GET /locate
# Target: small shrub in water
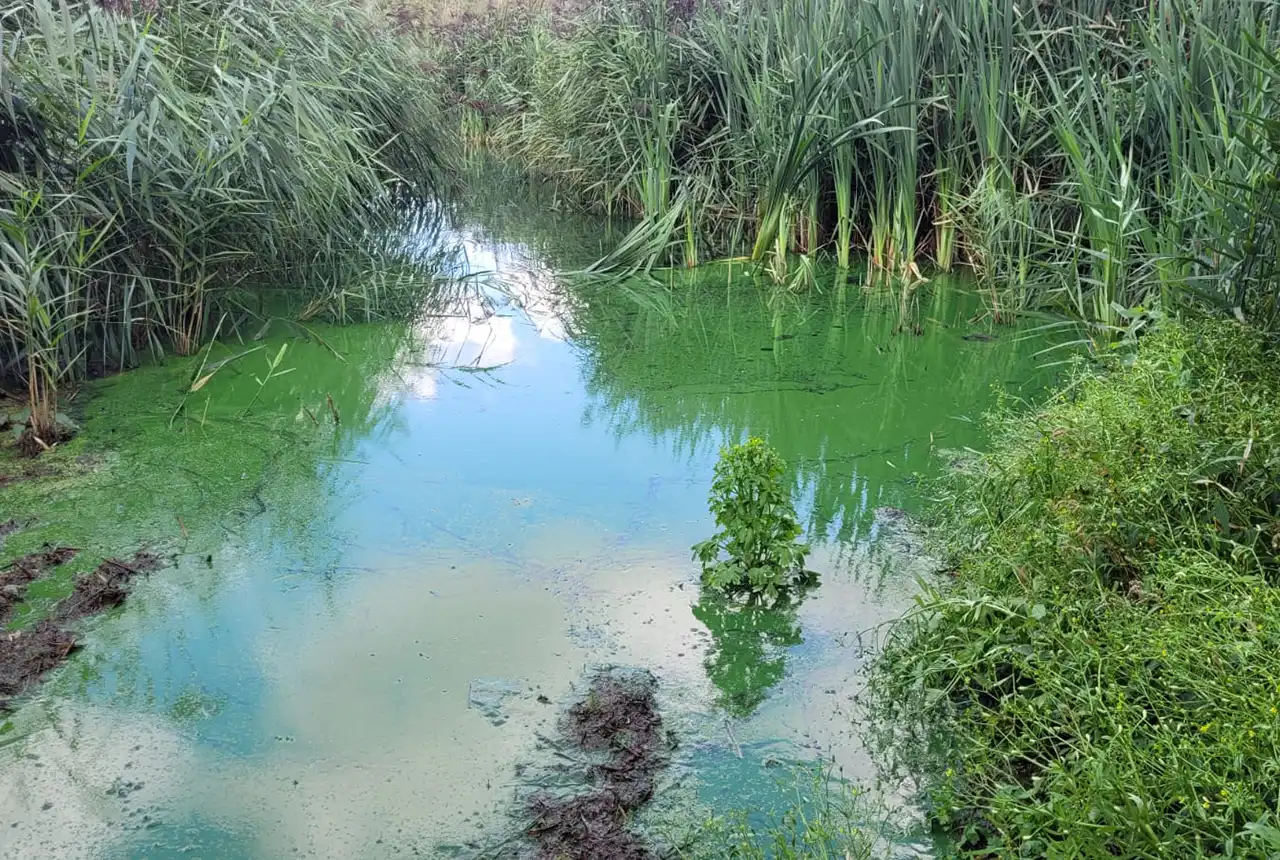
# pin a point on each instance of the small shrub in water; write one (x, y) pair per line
(757, 547)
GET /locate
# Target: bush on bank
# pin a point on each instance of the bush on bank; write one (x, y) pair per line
(1102, 679)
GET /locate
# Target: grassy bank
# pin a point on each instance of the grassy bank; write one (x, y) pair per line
(1103, 676)
(1086, 157)
(163, 164)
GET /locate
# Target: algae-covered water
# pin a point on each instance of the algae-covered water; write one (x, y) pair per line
(393, 564)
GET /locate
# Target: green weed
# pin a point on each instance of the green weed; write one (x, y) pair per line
(1103, 677)
(758, 530)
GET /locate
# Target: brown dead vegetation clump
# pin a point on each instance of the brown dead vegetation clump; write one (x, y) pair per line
(619, 717)
(19, 573)
(28, 655)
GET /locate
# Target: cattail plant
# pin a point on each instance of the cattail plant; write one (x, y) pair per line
(1075, 156)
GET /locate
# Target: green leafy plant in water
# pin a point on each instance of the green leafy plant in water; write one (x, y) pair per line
(757, 548)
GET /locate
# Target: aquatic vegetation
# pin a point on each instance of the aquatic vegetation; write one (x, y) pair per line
(274, 371)
(759, 535)
(165, 166)
(828, 819)
(724, 358)
(1084, 158)
(1109, 651)
(160, 465)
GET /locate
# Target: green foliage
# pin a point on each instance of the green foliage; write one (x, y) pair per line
(1103, 677)
(758, 530)
(1084, 157)
(164, 164)
(1252, 202)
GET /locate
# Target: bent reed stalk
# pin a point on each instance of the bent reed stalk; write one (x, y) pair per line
(1074, 155)
(159, 161)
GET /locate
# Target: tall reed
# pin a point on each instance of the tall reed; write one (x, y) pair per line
(162, 160)
(1075, 155)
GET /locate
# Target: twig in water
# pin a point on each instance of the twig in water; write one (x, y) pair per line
(737, 748)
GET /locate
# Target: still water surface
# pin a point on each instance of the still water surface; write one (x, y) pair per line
(510, 493)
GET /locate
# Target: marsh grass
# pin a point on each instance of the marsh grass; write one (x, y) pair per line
(1084, 158)
(1103, 676)
(165, 162)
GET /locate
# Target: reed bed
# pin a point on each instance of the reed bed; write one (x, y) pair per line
(1095, 159)
(163, 162)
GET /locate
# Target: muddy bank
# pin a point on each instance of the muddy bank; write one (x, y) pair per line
(27, 655)
(618, 722)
